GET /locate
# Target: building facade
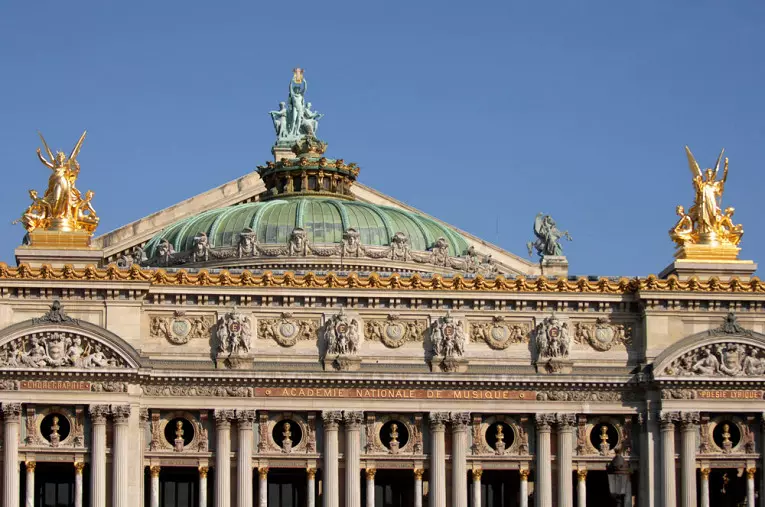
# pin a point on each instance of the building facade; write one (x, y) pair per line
(294, 338)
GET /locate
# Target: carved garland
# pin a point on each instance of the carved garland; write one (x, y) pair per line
(394, 332)
(179, 328)
(603, 335)
(287, 331)
(500, 334)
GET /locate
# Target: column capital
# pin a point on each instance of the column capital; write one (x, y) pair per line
(459, 420)
(120, 413)
(477, 473)
(543, 421)
(311, 473)
(438, 420)
(203, 472)
(524, 473)
(155, 470)
(370, 472)
(704, 472)
(582, 475)
(668, 419)
(30, 466)
(98, 413)
(223, 417)
(12, 412)
(331, 419)
(565, 421)
(751, 472)
(418, 473)
(245, 418)
(78, 467)
(143, 415)
(689, 420)
(353, 419)
(263, 472)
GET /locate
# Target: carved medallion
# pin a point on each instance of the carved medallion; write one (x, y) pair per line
(179, 328)
(602, 335)
(500, 334)
(287, 331)
(394, 332)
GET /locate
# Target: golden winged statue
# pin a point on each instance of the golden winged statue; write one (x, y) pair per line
(706, 223)
(62, 207)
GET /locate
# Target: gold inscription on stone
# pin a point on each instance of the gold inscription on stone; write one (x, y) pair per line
(380, 393)
(54, 385)
(731, 395)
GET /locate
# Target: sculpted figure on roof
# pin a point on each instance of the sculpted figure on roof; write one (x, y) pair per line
(548, 237)
(295, 119)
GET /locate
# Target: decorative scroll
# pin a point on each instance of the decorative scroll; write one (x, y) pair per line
(500, 334)
(287, 331)
(394, 332)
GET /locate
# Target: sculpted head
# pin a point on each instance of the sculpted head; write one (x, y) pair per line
(729, 211)
(60, 158)
(710, 174)
(680, 210)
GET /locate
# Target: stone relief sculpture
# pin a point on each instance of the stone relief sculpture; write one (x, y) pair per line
(394, 332)
(500, 334)
(342, 335)
(553, 343)
(55, 315)
(548, 237)
(727, 359)
(58, 350)
(602, 335)
(180, 328)
(287, 331)
(447, 337)
(233, 333)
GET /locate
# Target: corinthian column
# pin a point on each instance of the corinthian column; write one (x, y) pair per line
(418, 472)
(524, 489)
(353, 422)
(223, 457)
(11, 425)
(370, 473)
(704, 472)
(154, 493)
(460, 421)
(750, 473)
(203, 486)
(244, 420)
(477, 473)
(581, 488)
(78, 466)
(121, 417)
(311, 486)
(262, 487)
(331, 488)
(566, 424)
(98, 415)
(668, 494)
(30, 489)
(689, 423)
(544, 460)
(437, 494)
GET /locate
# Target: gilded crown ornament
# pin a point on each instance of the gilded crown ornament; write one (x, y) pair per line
(706, 231)
(62, 208)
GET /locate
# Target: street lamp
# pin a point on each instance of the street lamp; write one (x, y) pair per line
(619, 479)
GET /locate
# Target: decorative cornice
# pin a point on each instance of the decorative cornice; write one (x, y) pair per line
(393, 281)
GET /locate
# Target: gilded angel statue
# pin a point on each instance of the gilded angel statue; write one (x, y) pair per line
(61, 182)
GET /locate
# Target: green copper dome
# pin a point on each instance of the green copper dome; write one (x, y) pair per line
(323, 220)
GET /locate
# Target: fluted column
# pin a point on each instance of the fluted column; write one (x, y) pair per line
(544, 460)
(311, 486)
(203, 486)
(244, 420)
(353, 422)
(262, 487)
(223, 420)
(418, 472)
(11, 425)
(144, 429)
(750, 500)
(120, 417)
(154, 493)
(668, 492)
(370, 473)
(437, 494)
(477, 473)
(331, 488)
(704, 487)
(566, 424)
(524, 489)
(649, 494)
(460, 422)
(689, 423)
(30, 487)
(98, 415)
(78, 467)
(581, 488)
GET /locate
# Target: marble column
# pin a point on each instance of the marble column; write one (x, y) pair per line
(750, 499)
(353, 422)
(566, 423)
(98, 415)
(689, 421)
(262, 487)
(649, 494)
(437, 493)
(524, 489)
(244, 421)
(543, 491)
(30, 488)
(668, 492)
(120, 418)
(311, 486)
(154, 493)
(223, 420)
(203, 486)
(477, 472)
(78, 467)
(331, 493)
(581, 488)
(460, 422)
(704, 473)
(370, 473)
(418, 473)
(11, 425)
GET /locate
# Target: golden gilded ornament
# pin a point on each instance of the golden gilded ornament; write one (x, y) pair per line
(706, 231)
(62, 208)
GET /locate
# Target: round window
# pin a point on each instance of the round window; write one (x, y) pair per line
(394, 434)
(287, 434)
(604, 434)
(500, 434)
(55, 428)
(179, 428)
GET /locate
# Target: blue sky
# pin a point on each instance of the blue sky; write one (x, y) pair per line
(479, 113)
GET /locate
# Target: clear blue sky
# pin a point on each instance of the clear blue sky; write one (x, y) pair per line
(479, 113)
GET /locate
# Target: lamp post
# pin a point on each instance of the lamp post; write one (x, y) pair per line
(619, 479)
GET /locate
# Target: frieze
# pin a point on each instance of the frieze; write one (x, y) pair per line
(207, 391)
(286, 330)
(500, 334)
(587, 396)
(394, 332)
(179, 328)
(602, 335)
(725, 359)
(58, 349)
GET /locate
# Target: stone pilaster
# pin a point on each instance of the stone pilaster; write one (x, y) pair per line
(544, 460)
(311, 486)
(244, 423)
(581, 488)
(78, 467)
(30, 487)
(460, 422)
(262, 487)
(418, 473)
(154, 493)
(668, 485)
(203, 486)
(704, 474)
(120, 418)
(524, 489)
(437, 494)
(477, 473)
(649, 493)
(223, 418)
(353, 421)
(98, 414)
(370, 487)
(331, 492)
(11, 425)
(689, 421)
(566, 424)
